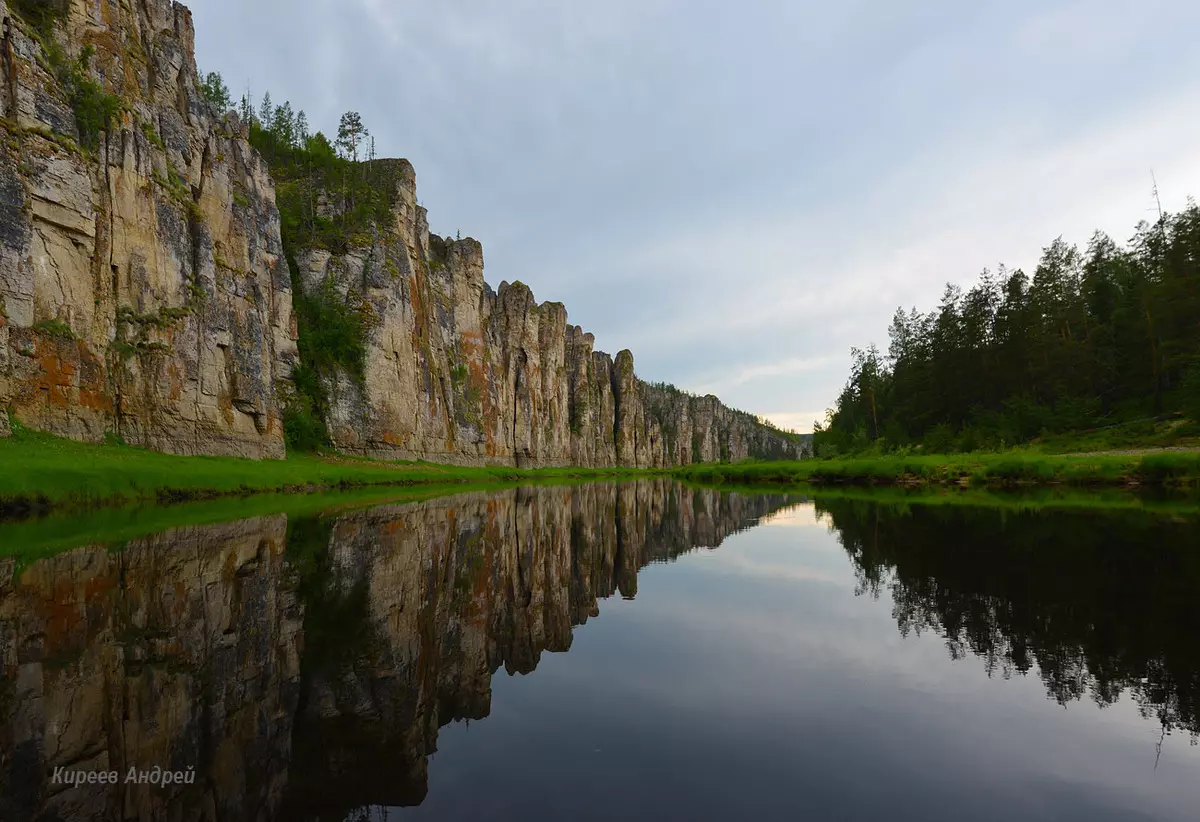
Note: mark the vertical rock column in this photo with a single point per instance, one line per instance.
(140, 267)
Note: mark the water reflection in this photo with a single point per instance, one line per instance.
(303, 667)
(1099, 604)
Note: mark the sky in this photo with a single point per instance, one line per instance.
(740, 192)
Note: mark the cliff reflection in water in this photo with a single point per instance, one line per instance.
(1098, 603)
(306, 666)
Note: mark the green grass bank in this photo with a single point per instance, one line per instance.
(1175, 469)
(39, 472)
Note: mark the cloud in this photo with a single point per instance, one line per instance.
(797, 516)
(799, 421)
(739, 193)
(750, 373)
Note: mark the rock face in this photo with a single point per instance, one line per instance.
(145, 293)
(303, 668)
(141, 276)
(456, 372)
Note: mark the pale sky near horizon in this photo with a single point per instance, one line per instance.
(739, 192)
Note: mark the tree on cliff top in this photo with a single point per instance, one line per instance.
(266, 112)
(214, 90)
(351, 132)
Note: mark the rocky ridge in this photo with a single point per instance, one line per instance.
(457, 372)
(145, 290)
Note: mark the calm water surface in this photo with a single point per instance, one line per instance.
(633, 651)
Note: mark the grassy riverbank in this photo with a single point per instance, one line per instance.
(41, 472)
(1155, 502)
(32, 538)
(1016, 468)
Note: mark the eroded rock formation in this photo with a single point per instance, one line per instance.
(141, 276)
(145, 290)
(457, 372)
(306, 666)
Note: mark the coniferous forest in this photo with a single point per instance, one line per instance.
(1096, 337)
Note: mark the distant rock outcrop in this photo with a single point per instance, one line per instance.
(457, 372)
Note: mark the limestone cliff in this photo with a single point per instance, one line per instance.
(457, 372)
(141, 278)
(146, 292)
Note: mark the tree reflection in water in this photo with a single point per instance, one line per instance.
(1099, 603)
(304, 666)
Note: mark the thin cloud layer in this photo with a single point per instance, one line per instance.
(740, 192)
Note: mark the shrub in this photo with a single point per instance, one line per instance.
(304, 413)
(1161, 468)
(1073, 413)
(1190, 389)
(1026, 416)
(94, 108)
(1021, 469)
(41, 14)
(303, 430)
(152, 135)
(333, 330)
(333, 336)
(55, 328)
(939, 440)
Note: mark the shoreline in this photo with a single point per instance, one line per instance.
(45, 474)
(999, 470)
(41, 474)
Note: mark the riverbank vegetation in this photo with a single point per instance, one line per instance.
(43, 472)
(32, 538)
(1015, 468)
(1154, 502)
(1101, 340)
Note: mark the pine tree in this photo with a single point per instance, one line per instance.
(215, 91)
(247, 112)
(266, 113)
(302, 134)
(283, 125)
(351, 132)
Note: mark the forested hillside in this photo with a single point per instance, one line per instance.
(1097, 337)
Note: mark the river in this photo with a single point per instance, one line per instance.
(640, 650)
